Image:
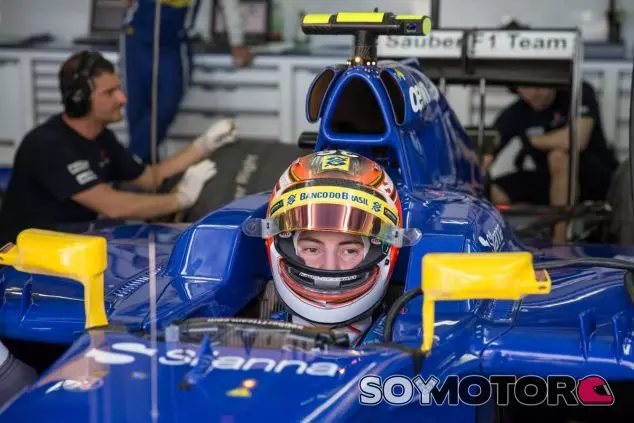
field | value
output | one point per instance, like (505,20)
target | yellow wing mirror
(82,258)
(502,276)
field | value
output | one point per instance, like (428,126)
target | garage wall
(69,18)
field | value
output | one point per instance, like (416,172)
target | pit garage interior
(268,99)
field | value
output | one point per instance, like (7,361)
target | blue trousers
(175,70)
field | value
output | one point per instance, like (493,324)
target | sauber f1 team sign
(483,44)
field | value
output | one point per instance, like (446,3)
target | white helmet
(333,231)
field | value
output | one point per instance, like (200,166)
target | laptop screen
(107,16)
(255,20)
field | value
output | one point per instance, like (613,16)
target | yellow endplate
(503,276)
(82,258)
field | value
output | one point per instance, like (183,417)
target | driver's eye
(310,250)
(351,251)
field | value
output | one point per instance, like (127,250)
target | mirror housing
(466,276)
(82,258)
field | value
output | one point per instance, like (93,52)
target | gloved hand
(217,135)
(194,179)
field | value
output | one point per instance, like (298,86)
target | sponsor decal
(128,352)
(336,162)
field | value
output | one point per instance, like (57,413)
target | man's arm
(560,138)
(219,134)
(115,204)
(242,56)
(153,176)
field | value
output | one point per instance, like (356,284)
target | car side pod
(471,276)
(82,258)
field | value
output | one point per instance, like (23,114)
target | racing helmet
(333,230)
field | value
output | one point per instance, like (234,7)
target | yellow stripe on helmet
(337,195)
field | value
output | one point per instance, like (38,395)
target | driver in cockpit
(333,231)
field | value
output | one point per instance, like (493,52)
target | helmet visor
(345,209)
(333,208)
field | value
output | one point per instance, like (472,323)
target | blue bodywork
(211,269)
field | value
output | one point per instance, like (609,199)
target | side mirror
(456,276)
(82,258)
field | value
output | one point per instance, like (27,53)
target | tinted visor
(333,208)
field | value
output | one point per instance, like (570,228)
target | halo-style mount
(366,27)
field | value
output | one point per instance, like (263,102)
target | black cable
(586,262)
(393,312)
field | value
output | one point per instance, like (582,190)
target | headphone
(77,95)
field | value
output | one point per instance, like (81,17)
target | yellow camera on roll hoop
(501,276)
(82,258)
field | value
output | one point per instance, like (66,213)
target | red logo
(594,390)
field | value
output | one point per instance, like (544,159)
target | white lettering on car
(183,357)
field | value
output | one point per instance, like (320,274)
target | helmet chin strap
(364,239)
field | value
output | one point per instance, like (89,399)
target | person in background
(175,62)
(63,168)
(537,125)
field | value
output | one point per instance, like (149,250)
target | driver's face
(330,251)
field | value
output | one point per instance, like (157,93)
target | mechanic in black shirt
(62,169)
(539,119)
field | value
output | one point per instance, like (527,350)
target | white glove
(194,179)
(217,135)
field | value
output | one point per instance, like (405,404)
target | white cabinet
(268,99)
(11,110)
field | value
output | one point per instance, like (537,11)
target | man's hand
(242,56)
(193,181)
(217,135)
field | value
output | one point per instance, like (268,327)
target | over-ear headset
(77,95)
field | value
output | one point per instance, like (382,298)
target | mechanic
(177,18)
(539,121)
(537,126)
(62,169)
(332,220)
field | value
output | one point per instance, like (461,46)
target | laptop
(106,20)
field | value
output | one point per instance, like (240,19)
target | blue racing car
(427,307)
